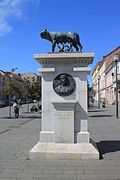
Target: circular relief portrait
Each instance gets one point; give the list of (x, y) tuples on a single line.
[(64, 84)]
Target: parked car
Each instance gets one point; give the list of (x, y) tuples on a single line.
[(3, 103), (12, 102), (29, 101), (6, 102)]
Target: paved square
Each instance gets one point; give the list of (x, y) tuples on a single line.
[(18, 136)]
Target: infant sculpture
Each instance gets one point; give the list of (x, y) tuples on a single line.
[(64, 40)]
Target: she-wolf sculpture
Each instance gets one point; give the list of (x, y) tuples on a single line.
[(67, 40)]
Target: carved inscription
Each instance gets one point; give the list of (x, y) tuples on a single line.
[(64, 115)]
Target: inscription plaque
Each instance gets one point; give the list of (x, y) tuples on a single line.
[(63, 120), (63, 115)]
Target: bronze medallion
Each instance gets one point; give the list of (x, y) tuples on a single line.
[(64, 84)]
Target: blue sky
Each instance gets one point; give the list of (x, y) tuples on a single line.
[(96, 22)]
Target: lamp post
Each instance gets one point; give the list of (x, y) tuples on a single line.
[(1, 86), (88, 88), (98, 91), (116, 60)]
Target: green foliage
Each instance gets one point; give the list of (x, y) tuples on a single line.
[(14, 87), (27, 88), (33, 88)]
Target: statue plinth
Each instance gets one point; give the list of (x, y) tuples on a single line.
[(64, 132), (65, 58)]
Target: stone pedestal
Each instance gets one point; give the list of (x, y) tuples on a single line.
[(64, 128), (64, 118)]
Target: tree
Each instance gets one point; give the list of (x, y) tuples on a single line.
[(33, 88), (27, 88), (91, 94), (14, 88)]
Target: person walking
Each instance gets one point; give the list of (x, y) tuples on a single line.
[(16, 109)]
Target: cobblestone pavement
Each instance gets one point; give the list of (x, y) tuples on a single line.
[(18, 136)]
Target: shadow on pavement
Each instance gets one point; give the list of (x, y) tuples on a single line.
[(97, 110), (21, 117), (101, 115), (105, 147)]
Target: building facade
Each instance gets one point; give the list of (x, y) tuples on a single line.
[(104, 78), (95, 80), (30, 76)]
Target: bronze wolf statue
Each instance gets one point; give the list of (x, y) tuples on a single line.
[(64, 38)]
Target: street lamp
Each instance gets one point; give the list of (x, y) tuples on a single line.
[(98, 91), (88, 94), (116, 60)]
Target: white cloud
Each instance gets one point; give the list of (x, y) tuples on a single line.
[(10, 8)]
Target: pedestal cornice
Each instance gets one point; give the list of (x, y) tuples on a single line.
[(64, 58)]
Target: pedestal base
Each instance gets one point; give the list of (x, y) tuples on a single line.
[(64, 151), (83, 137)]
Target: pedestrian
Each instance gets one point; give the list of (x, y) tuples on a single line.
[(16, 109)]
